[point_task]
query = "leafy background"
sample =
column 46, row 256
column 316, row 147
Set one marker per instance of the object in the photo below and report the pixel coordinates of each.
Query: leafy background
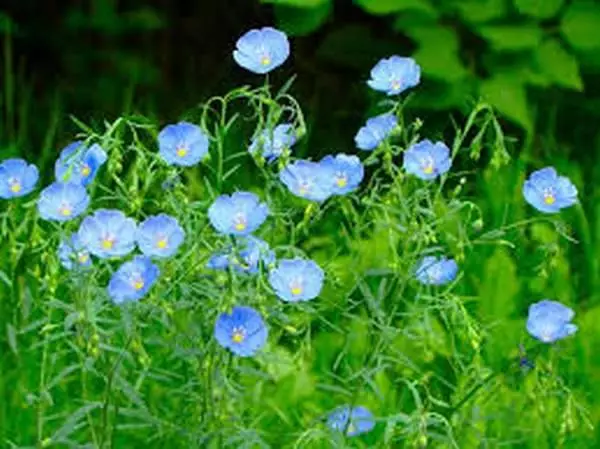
column 536, row 61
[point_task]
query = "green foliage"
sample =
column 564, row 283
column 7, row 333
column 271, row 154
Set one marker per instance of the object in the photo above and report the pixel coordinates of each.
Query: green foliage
column 521, row 50
column 579, row 25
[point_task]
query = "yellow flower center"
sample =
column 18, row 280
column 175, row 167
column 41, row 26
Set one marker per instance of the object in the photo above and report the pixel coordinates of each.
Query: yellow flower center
column 83, row 257
column 162, row 243
column 138, row 284
column 549, row 199
column 65, row 210
column 265, row 60
column 351, row 428
column 15, row 187
column 86, row 170
column 396, row 85
column 108, row 243
column 237, row 337
column 341, row 182
column 182, row 151
column 296, row 287
column 427, row 165
column 240, row 222
column 303, row 189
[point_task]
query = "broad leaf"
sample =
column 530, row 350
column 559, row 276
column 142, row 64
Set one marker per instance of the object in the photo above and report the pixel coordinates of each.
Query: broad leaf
column 579, row 25
column 511, row 37
column 560, row 66
column 541, row 9
column 391, row 6
column 479, row 11
column 438, row 52
column 508, row 95
column 300, row 21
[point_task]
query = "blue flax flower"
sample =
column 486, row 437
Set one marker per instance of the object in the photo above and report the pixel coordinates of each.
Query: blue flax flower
column 132, row 280
column 394, row 75
column 345, row 173
column 159, row 236
column 548, row 192
column 354, row 421
column 17, row 178
column 62, row 201
column 307, row 179
column 78, row 164
column 297, row 279
column 108, row 233
column 182, row 144
column 72, row 253
column 262, row 50
column 376, row 130
column 427, row 160
column 242, row 331
column 549, row 321
column 239, row 214
column 274, row 142
column 436, row 271
column 245, row 258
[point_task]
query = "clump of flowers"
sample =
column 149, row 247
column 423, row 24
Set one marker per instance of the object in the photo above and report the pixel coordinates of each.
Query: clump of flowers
column 248, row 263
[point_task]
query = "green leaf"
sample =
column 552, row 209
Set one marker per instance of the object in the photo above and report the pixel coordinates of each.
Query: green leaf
column 541, row 9
column 511, row 37
column 298, row 3
column 479, row 11
column 438, row 52
column 579, row 25
column 559, row 66
column 300, row 21
column 392, row 6
column 508, row 95
column 11, row 337
column 498, row 289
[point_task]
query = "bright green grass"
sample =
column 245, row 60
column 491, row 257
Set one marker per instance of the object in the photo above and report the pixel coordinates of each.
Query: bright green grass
column 438, row 367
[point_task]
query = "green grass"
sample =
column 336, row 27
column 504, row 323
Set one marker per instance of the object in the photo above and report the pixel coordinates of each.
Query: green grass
column 438, row 367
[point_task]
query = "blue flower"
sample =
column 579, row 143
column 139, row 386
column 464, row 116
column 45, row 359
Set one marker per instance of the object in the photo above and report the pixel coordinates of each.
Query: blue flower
column 274, row 142
column 548, row 192
column 434, row 271
column 394, row 75
column 307, row 179
column 375, row 131
column 251, row 250
column 72, row 253
column 159, row 236
column 132, row 280
column 262, row 50
column 297, row 280
column 182, row 144
column 242, row 331
column 549, row 321
column 78, row 164
column 354, row 421
column 427, row 160
column 17, row 178
column 108, row 233
column 239, row 214
column 346, row 173
column 62, row 201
